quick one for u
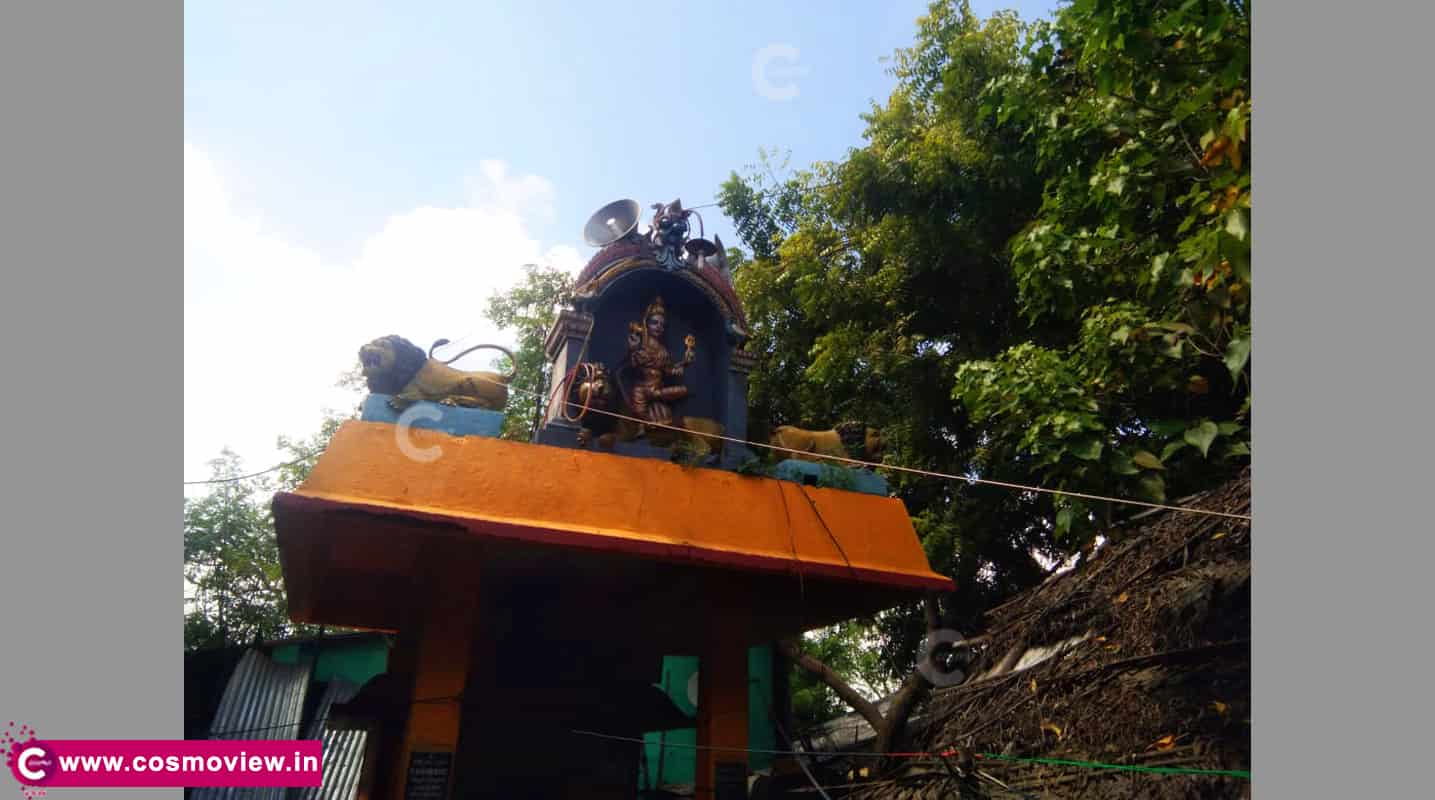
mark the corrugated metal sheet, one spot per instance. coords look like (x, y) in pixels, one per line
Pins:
(263, 700)
(343, 749)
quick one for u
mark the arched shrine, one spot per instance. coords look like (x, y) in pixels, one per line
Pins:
(537, 587)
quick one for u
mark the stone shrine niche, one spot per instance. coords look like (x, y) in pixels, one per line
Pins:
(654, 334)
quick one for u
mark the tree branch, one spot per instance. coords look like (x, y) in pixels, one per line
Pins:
(914, 689)
(835, 682)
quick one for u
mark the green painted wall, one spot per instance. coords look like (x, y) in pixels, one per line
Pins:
(355, 661)
(679, 758)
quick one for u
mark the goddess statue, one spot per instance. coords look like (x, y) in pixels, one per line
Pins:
(652, 365)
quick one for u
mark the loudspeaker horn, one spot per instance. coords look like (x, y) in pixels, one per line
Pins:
(611, 223)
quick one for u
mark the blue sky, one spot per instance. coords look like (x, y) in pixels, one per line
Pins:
(332, 149)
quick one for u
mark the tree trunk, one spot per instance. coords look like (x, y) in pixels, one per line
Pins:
(891, 726)
(913, 690)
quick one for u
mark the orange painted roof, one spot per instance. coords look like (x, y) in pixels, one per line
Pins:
(576, 500)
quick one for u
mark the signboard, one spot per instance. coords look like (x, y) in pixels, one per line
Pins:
(428, 776)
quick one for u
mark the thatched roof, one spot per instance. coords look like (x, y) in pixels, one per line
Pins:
(1147, 661)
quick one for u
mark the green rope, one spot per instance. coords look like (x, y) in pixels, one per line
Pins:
(1234, 773)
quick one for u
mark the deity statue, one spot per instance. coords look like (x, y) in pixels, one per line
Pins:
(652, 366)
(669, 231)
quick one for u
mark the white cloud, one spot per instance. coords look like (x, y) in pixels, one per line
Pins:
(269, 324)
(527, 195)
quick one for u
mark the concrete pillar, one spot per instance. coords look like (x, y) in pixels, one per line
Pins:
(564, 347)
(437, 651)
(722, 711)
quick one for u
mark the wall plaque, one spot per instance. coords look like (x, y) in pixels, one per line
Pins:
(428, 775)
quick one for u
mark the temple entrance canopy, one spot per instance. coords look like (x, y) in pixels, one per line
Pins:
(537, 586)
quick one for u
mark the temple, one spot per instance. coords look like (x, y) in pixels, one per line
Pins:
(544, 592)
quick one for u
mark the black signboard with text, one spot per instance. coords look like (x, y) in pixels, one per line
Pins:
(428, 776)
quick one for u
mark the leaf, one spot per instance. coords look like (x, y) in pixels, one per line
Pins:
(1238, 352)
(1158, 266)
(1088, 449)
(1166, 427)
(1201, 435)
(1240, 259)
(1121, 464)
(1116, 184)
(1174, 345)
(1147, 460)
(1064, 519)
(1175, 327)
(1238, 449)
(1121, 598)
(1151, 487)
(1237, 223)
(1219, 707)
(1172, 448)
(1051, 727)
(1033, 685)
(1164, 743)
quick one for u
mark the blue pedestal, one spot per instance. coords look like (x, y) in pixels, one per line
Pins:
(835, 476)
(453, 420)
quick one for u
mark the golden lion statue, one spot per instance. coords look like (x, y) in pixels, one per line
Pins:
(395, 366)
(847, 440)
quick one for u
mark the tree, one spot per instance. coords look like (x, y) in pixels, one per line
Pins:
(304, 452)
(231, 556)
(232, 562)
(1036, 270)
(842, 648)
(1138, 115)
(887, 271)
(530, 308)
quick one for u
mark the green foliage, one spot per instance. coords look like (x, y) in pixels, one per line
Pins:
(756, 467)
(850, 650)
(1138, 115)
(232, 562)
(530, 308)
(834, 477)
(235, 592)
(1036, 269)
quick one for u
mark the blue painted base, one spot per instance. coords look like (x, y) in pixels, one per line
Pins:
(834, 476)
(453, 420)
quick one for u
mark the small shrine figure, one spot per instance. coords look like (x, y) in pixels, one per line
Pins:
(648, 357)
(669, 232)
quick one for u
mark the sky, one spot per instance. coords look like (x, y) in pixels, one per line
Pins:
(357, 169)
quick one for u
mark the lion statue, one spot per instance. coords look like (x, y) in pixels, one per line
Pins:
(847, 440)
(395, 366)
